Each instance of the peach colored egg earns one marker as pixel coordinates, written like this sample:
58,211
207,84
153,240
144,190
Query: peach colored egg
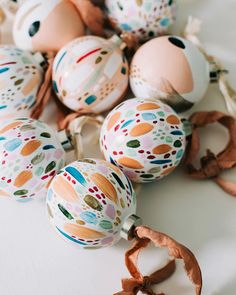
170,68
46,25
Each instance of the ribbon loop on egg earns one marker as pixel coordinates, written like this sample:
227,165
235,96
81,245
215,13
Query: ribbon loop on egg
212,165
75,124
138,282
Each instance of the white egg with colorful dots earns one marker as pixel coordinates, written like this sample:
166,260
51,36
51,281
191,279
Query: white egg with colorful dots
90,74
30,156
144,138
144,18
89,201
171,68
20,78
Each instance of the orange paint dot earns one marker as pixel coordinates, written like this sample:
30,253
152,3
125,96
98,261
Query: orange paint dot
105,186
148,106
82,232
30,147
141,129
161,149
113,120
23,178
130,163
172,119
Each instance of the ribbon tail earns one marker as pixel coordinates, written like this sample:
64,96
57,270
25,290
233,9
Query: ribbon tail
193,27
44,93
229,95
227,186
92,16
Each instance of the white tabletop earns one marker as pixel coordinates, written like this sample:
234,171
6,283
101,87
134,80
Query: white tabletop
33,260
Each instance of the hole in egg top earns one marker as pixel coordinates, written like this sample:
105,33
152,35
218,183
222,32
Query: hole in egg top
90,74
170,68
46,25
88,202
144,138
30,155
144,18
20,79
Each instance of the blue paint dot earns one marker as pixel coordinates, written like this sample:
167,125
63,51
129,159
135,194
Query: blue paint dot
55,86
70,238
48,147
3,70
3,107
176,132
76,174
127,123
126,27
89,217
90,99
12,144
165,22
149,116
160,162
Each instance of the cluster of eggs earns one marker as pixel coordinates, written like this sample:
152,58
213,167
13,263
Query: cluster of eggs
142,139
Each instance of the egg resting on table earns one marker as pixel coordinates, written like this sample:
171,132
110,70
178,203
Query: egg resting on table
170,68
30,155
88,202
144,18
90,74
145,138
20,79
46,25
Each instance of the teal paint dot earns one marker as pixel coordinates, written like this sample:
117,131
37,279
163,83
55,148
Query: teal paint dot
165,22
180,154
90,99
39,171
123,71
161,114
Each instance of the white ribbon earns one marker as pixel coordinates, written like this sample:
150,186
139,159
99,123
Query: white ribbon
76,127
192,28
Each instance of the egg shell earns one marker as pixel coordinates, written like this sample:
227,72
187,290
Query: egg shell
172,68
20,79
90,74
40,25
88,202
30,155
144,138
144,18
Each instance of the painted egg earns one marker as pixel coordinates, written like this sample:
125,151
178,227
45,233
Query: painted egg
144,18
144,138
20,78
171,68
30,155
90,74
38,25
12,5
88,202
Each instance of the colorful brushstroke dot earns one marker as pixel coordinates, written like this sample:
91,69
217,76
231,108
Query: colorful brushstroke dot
144,138
88,201
26,166
20,79
145,19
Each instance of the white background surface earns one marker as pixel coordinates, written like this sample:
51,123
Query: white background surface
33,260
